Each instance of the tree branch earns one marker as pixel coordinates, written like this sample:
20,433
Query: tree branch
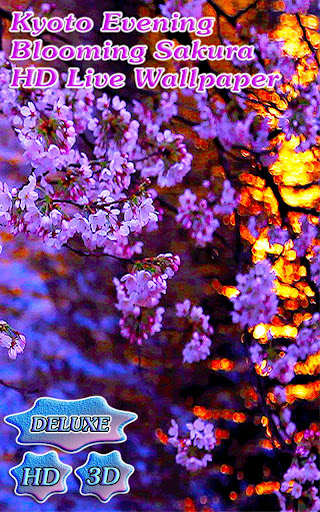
264,406
167,205
306,37
284,208
23,390
5,14
79,252
232,18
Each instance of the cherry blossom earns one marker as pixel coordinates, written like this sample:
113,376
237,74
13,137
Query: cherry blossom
201,436
256,301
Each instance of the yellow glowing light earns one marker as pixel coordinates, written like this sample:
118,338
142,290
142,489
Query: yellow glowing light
310,391
295,168
229,291
285,331
260,331
267,487
309,367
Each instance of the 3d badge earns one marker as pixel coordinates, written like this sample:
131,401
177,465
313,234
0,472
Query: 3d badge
104,476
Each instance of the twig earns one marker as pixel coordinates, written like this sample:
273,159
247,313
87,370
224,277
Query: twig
5,14
284,208
24,391
305,35
167,205
79,252
232,18
265,409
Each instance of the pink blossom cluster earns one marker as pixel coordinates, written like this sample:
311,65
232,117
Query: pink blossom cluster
296,6
139,292
309,232
279,361
301,117
185,7
193,451
273,56
207,128
276,234
104,200
231,131
198,348
100,203
245,124
197,217
228,201
315,267
282,420
300,480
11,339
256,302
169,162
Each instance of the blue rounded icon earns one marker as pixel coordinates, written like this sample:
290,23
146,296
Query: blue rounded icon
71,425
104,475
40,476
